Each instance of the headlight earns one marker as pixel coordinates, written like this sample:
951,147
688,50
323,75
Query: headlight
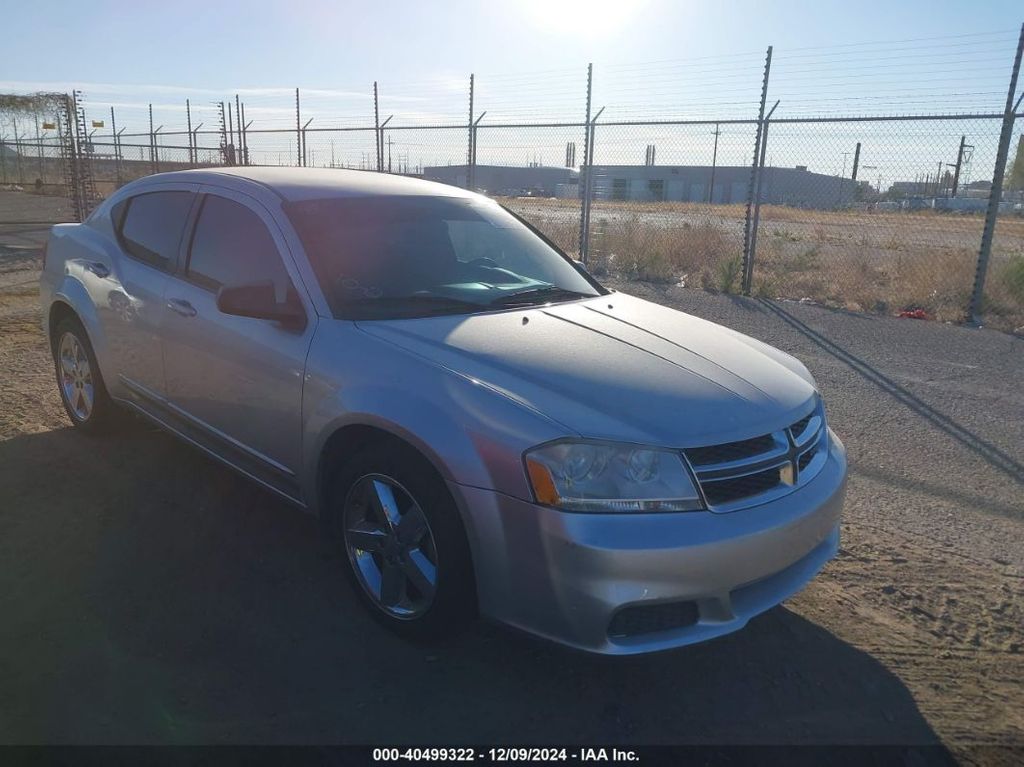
602,476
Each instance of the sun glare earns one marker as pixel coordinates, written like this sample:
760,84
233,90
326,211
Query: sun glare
588,18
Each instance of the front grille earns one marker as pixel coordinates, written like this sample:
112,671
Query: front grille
731,451
735,488
737,475
649,619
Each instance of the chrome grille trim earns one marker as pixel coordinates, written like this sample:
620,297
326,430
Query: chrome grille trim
744,465
809,432
804,441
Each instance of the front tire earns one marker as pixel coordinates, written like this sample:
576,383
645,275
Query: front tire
79,380
402,541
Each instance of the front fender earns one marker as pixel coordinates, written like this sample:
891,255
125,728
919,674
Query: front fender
472,434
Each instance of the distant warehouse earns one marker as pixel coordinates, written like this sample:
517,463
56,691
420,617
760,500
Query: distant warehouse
501,180
723,185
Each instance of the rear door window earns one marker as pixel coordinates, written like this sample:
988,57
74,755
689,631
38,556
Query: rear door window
151,228
232,246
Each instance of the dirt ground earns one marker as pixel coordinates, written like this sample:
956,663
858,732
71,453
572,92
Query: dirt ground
148,595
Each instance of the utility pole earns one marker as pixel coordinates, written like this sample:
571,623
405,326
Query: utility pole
714,164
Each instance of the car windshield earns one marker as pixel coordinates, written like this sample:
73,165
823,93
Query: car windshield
396,257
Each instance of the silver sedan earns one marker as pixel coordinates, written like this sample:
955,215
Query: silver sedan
481,427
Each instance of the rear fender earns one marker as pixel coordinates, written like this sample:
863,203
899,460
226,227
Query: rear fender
81,270
74,294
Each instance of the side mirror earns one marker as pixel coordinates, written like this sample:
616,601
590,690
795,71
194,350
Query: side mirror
260,302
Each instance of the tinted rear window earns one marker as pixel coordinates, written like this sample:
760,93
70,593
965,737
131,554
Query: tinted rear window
153,225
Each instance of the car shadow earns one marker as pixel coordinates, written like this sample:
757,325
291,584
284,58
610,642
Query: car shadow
150,595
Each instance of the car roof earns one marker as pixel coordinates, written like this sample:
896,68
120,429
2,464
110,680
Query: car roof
295,184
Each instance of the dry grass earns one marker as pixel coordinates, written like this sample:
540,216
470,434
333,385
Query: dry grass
858,260
700,254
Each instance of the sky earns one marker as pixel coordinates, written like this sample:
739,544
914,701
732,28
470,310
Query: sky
652,59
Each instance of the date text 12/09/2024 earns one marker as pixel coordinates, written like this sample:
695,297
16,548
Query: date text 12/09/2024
504,754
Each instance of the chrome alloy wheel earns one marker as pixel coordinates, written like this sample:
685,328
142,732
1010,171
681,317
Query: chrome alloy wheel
390,546
76,376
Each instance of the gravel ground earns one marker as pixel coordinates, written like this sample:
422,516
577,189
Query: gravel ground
148,595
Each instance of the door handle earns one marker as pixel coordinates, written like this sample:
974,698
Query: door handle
181,306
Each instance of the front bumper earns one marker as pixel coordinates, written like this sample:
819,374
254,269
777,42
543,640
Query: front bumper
564,576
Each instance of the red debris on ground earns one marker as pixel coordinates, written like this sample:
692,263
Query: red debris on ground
914,314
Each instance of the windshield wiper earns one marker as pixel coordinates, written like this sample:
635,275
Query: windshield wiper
537,295
425,304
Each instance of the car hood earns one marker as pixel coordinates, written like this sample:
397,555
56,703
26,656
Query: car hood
618,367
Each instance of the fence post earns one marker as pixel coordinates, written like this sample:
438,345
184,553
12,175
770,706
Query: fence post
748,255
995,196
230,134
152,143
584,180
959,164
188,121
113,139
376,129
757,195
245,137
590,182
19,152
470,154
223,128
39,145
298,129
302,143
475,128
238,130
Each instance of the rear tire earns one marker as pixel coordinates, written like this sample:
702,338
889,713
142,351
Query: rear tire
402,542
79,381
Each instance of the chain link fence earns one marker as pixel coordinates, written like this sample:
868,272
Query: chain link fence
871,213
898,225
